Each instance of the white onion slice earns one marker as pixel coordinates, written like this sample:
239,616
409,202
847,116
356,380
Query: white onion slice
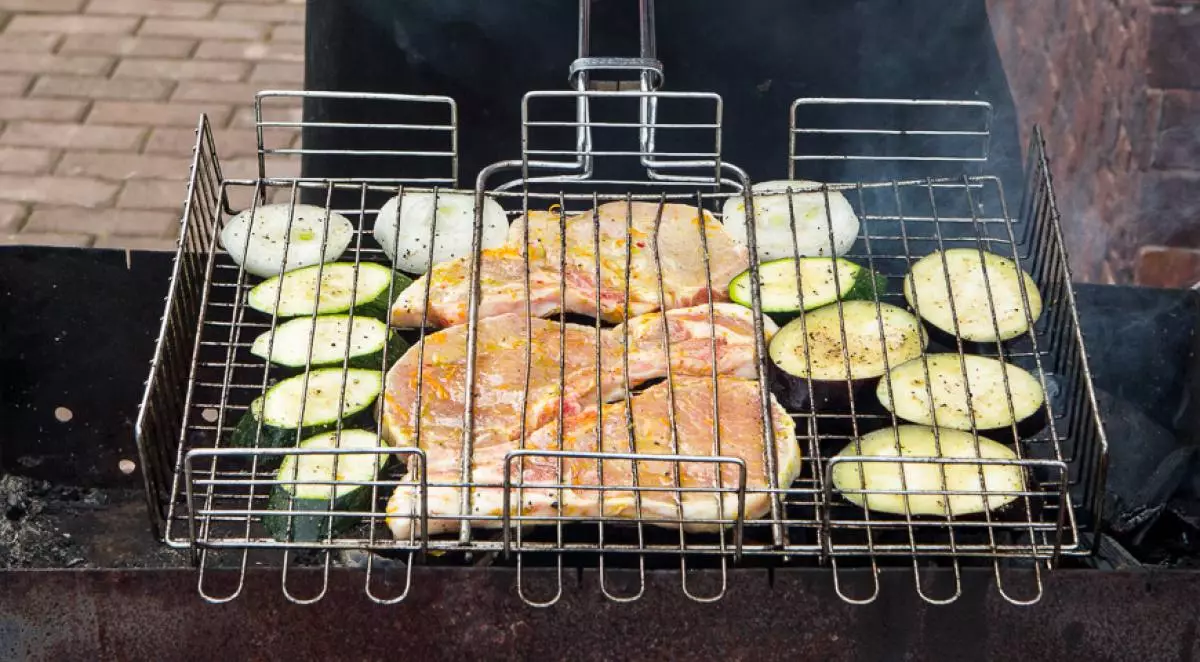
772,220
405,236
273,244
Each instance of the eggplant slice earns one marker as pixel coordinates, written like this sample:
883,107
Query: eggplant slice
973,487
931,390
932,285
839,349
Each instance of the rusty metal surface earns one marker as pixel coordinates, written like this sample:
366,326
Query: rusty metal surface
475,614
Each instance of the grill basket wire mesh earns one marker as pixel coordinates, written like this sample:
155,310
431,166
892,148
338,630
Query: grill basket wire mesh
211,498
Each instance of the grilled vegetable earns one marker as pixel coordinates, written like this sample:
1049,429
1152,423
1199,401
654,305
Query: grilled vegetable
285,237
405,228
320,487
810,350
343,287
293,409
773,220
781,293
930,390
970,494
309,342
930,286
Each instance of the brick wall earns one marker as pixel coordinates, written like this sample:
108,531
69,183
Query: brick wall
1078,69
1116,87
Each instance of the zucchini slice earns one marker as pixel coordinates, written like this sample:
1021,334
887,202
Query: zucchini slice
319,488
816,286
280,408
930,287
969,495
773,220
332,339
988,407
810,350
343,287
284,237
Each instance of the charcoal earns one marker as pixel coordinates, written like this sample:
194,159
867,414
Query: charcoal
28,536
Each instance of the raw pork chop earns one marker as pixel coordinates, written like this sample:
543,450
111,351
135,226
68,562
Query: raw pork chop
544,494
740,433
501,344
552,289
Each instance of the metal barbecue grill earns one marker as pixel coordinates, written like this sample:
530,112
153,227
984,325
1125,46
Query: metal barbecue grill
578,148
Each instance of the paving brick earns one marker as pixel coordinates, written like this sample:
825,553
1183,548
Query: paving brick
85,87
277,13
215,92
59,190
102,221
14,84
139,46
137,243
11,215
247,167
243,116
26,160
99,100
279,73
42,6
170,8
152,194
201,29
73,136
111,166
181,70
29,42
39,239
45,63
288,33
231,143
53,110
254,51
155,113
73,24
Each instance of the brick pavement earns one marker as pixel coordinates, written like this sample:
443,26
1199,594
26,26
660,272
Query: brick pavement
99,100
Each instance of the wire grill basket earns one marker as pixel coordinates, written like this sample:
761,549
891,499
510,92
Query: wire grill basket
213,498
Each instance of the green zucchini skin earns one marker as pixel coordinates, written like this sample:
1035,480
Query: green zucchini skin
393,348
396,346
321,499
280,437
778,295
867,287
354,408
315,527
380,306
263,296
245,431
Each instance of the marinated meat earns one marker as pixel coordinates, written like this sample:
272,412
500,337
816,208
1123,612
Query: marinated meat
559,282
582,488
572,385
740,434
